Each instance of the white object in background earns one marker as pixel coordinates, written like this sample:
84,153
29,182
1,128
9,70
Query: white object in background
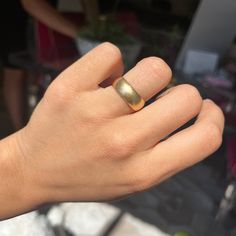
85,45
56,215
90,219
132,226
30,224
198,61
129,52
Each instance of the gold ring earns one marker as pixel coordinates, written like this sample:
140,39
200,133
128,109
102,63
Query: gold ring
128,94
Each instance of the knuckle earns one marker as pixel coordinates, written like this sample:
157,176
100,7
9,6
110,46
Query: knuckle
119,145
157,66
58,96
213,136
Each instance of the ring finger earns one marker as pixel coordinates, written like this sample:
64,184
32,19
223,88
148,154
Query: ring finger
159,119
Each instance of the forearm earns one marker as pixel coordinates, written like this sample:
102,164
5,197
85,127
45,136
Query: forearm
17,193
44,12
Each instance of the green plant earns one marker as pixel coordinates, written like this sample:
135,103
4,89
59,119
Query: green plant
103,27
181,234
106,29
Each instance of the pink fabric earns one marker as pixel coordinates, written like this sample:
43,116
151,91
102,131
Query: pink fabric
219,82
51,45
129,20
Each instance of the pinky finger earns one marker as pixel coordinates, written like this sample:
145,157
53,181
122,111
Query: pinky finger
181,150
196,142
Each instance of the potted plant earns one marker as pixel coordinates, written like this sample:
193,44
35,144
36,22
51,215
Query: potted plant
101,28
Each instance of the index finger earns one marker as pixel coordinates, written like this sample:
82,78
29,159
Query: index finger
97,65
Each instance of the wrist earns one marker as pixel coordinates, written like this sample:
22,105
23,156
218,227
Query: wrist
18,192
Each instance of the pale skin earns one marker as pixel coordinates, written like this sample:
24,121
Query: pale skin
83,143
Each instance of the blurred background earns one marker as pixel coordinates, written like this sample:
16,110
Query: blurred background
197,38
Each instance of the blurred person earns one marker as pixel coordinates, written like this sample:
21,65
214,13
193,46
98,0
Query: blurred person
87,143
13,23
46,12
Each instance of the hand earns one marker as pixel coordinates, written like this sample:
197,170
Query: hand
83,143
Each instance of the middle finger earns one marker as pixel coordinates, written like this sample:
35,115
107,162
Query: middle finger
148,78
